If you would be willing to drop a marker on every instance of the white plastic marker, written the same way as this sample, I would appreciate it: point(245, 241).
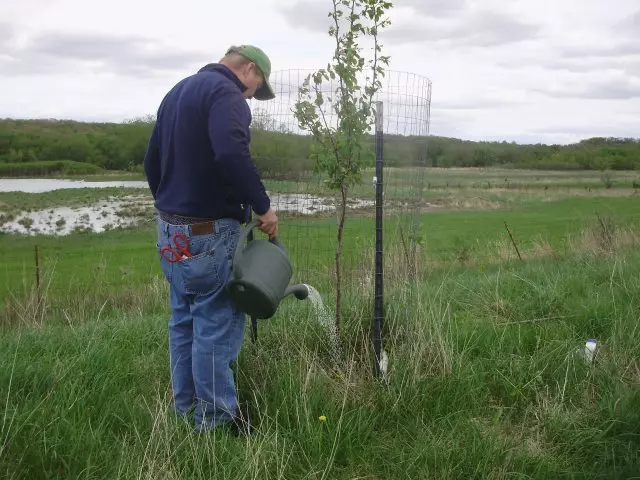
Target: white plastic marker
point(590, 349)
point(384, 364)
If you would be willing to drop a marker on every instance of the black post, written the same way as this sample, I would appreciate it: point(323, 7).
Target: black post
point(513, 241)
point(378, 316)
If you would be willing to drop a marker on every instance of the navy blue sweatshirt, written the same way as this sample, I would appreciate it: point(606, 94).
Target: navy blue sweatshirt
point(198, 162)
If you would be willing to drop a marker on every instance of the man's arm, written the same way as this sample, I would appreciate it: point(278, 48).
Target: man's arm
point(229, 137)
point(152, 162)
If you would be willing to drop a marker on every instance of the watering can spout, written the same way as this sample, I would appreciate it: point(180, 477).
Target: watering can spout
point(300, 291)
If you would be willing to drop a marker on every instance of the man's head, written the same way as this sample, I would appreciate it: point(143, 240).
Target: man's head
point(253, 68)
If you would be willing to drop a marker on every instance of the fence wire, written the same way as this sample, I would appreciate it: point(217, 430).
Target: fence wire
point(308, 209)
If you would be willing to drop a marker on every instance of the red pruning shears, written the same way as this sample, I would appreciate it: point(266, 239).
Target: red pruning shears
point(182, 244)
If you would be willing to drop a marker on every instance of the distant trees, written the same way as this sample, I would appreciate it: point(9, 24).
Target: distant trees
point(281, 153)
point(112, 146)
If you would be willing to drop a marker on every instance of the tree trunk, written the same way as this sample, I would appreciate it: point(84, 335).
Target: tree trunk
point(341, 219)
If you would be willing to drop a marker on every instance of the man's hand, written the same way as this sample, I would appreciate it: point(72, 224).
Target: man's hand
point(269, 223)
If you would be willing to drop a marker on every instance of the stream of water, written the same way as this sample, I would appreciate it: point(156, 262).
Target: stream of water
point(326, 320)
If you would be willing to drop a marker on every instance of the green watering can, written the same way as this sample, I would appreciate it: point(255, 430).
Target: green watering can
point(261, 275)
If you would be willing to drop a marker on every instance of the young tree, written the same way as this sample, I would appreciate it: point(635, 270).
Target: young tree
point(339, 147)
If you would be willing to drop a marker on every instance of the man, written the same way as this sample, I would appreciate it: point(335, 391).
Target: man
point(203, 182)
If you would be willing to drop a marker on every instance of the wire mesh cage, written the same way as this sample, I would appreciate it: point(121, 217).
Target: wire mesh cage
point(308, 209)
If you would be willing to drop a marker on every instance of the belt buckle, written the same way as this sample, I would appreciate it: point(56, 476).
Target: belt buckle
point(203, 228)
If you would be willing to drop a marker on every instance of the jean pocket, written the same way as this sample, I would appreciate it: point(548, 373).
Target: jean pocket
point(200, 273)
point(166, 267)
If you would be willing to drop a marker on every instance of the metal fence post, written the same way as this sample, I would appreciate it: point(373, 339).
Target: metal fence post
point(378, 316)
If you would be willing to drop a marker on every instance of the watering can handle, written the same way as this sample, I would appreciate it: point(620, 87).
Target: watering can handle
point(244, 234)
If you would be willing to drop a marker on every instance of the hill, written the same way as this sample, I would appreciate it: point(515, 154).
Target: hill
point(280, 153)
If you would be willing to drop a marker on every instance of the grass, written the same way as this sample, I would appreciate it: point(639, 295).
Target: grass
point(111, 265)
point(486, 377)
point(48, 168)
point(491, 178)
point(436, 181)
point(86, 175)
point(116, 176)
point(486, 381)
point(69, 197)
point(473, 189)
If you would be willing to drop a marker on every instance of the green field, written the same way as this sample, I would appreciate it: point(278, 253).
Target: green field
point(410, 182)
point(486, 377)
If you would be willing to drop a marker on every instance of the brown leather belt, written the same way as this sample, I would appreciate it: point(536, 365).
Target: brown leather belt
point(199, 226)
point(203, 228)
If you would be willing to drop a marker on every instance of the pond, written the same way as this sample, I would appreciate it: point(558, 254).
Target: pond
point(123, 211)
point(40, 185)
point(114, 212)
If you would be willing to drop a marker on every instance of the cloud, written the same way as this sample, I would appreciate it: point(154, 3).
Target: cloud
point(448, 124)
point(633, 68)
point(618, 88)
point(479, 28)
point(587, 65)
point(436, 8)
point(579, 50)
point(483, 29)
point(7, 32)
point(575, 48)
point(125, 55)
point(309, 15)
point(621, 56)
point(620, 130)
point(620, 48)
point(631, 24)
point(476, 104)
point(313, 15)
point(576, 65)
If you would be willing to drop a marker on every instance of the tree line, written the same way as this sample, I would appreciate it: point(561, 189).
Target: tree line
point(280, 153)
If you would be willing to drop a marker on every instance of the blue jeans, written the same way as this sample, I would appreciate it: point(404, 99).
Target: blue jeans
point(206, 332)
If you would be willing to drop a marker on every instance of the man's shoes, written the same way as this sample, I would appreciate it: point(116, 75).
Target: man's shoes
point(239, 427)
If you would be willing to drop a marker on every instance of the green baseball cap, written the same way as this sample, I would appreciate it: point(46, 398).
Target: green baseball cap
point(257, 56)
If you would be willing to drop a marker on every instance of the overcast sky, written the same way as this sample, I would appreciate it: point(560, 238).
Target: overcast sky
point(551, 71)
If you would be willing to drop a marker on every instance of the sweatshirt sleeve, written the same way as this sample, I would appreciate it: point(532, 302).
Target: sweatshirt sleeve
point(152, 162)
point(229, 121)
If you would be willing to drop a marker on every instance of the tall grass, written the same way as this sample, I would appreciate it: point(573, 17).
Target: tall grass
point(486, 377)
point(63, 167)
point(486, 380)
point(101, 275)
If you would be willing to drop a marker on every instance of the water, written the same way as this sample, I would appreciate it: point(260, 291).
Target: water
point(303, 203)
point(106, 214)
point(326, 320)
point(307, 204)
point(41, 185)
point(99, 217)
